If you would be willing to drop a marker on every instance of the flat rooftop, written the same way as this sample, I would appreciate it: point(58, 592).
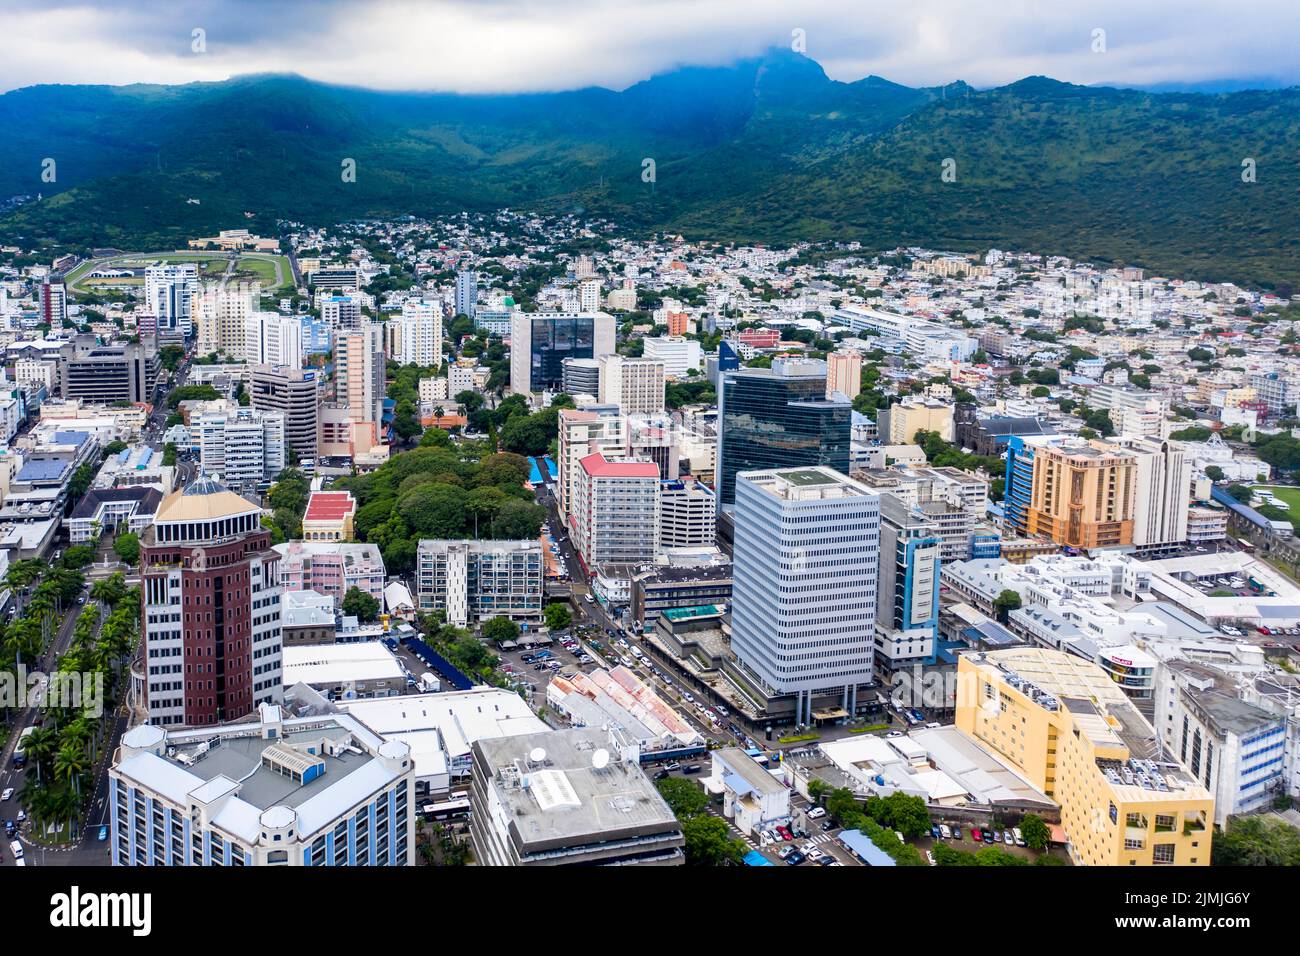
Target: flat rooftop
point(566, 788)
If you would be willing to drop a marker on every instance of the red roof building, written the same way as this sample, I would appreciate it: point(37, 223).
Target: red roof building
point(329, 516)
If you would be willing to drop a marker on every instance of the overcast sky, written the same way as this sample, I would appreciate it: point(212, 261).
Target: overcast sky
point(514, 45)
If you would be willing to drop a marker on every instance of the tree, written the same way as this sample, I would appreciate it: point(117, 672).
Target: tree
point(1256, 841)
point(500, 629)
point(1036, 833)
point(1006, 602)
point(709, 842)
point(357, 603)
point(1214, 473)
point(558, 616)
point(78, 556)
point(127, 547)
point(1242, 493)
point(817, 788)
point(684, 797)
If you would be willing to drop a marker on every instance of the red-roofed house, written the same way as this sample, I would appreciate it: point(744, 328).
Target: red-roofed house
point(615, 512)
point(329, 516)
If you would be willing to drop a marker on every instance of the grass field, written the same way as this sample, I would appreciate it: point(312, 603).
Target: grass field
point(1284, 493)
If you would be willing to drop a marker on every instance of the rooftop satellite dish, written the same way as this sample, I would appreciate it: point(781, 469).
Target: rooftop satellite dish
point(600, 759)
point(537, 754)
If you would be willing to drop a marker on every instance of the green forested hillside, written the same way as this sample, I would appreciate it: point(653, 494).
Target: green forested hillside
point(767, 150)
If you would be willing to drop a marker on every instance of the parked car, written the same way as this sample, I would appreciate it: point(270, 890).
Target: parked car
point(660, 774)
point(785, 833)
point(935, 832)
point(786, 851)
point(828, 824)
point(929, 858)
point(816, 813)
point(1019, 837)
point(976, 835)
point(691, 768)
point(944, 831)
point(956, 833)
point(1007, 838)
point(8, 792)
point(795, 858)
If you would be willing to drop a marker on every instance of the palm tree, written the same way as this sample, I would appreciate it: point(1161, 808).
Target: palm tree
point(70, 763)
point(39, 747)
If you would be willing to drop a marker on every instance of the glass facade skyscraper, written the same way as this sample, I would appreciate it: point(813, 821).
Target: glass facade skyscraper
point(778, 418)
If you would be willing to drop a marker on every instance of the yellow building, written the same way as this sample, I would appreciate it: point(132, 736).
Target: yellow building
point(1072, 732)
point(1083, 496)
point(919, 414)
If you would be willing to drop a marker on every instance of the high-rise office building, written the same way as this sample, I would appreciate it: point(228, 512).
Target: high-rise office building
point(466, 293)
point(244, 446)
point(778, 418)
point(636, 386)
point(807, 546)
point(210, 587)
point(580, 434)
point(421, 325)
point(169, 288)
point(1162, 496)
point(104, 374)
point(1083, 495)
point(540, 341)
point(907, 593)
point(296, 394)
point(359, 368)
point(273, 339)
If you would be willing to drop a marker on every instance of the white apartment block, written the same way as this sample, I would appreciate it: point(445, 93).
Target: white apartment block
point(220, 313)
point(168, 292)
point(273, 339)
point(636, 386)
point(615, 511)
point(421, 334)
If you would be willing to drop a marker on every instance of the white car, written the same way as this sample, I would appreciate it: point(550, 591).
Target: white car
point(816, 813)
point(929, 857)
point(9, 792)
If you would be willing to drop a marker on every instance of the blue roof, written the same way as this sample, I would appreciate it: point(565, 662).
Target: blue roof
point(71, 437)
point(865, 850)
point(754, 858)
point(736, 784)
point(42, 469)
point(123, 455)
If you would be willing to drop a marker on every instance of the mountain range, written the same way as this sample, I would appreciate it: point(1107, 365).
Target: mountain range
point(768, 149)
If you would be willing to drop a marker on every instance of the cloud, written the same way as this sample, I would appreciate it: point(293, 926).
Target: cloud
point(528, 45)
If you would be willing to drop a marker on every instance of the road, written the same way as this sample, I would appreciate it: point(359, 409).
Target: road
point(9, 777)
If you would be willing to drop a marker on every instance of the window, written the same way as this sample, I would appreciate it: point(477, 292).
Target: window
point(1162, 853)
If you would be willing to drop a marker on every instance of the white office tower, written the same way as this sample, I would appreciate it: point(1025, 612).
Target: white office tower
point(421, 325)
point(466, 293)
point(589, 295)
point(245, 446)
point(220, 313)
point(636, 386)
point(168, 290)
point(273, 339)
point(807, 549)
